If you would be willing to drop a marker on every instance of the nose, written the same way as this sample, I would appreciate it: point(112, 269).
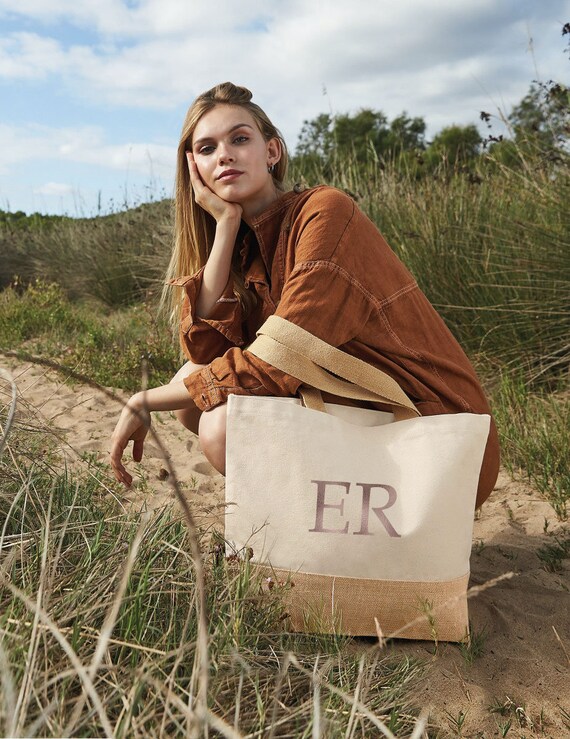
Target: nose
point(224, 154)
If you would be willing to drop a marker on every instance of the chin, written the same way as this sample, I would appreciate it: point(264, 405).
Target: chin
point(229, 199)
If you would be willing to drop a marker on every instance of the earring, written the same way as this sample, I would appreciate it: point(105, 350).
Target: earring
point(271, 168)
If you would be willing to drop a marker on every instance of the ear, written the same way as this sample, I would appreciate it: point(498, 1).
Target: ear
point(273, 151)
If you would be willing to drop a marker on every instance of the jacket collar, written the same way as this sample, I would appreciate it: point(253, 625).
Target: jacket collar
point(266, 227)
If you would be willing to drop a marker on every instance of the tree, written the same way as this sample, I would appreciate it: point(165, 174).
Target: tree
point(455, 145)
point(407, 134)
point(315, 138)
point(543, 116)
point(359, 134)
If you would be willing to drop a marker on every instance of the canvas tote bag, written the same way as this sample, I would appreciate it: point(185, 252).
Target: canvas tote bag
point(366, 515)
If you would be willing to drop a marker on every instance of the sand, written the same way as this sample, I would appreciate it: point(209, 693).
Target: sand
point(522, 674)
point(524, 668)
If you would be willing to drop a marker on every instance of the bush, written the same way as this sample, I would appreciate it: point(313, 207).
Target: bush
point(111, 349)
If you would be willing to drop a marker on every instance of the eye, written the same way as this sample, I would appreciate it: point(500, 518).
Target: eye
point(241, 139)
point(206, 149)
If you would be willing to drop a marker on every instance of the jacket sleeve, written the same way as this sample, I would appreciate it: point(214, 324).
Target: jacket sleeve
point(203, 339)
point(319, 295)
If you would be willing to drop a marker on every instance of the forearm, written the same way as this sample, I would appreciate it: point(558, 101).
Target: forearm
point(171, 397)
point(217, 269)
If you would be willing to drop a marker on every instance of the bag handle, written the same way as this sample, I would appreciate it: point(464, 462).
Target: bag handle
point(297, 352)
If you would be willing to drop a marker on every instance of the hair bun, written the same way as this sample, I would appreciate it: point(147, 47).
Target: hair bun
point(227, 92)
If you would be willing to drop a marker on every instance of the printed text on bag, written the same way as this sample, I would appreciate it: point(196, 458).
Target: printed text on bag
point(365, 510)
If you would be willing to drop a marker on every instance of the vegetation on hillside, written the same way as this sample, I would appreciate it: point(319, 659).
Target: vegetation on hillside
point(100, 609)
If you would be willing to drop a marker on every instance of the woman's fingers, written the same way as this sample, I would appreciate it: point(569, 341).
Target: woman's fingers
point(119, 470)
point(197, 184)
point(132, 425)
point(195, 178)
point(206, 198)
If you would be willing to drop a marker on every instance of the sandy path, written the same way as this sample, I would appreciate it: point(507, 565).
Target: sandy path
point(85, 418)
point(525, 662)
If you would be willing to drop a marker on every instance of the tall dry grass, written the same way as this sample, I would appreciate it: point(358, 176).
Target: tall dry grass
point(118, 623)
point(115, 259)
point(489, 245)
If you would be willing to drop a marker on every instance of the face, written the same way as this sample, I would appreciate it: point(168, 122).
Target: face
point(232, 157)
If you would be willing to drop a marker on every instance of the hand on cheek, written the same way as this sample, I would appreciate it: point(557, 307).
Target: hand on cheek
point(207, 199)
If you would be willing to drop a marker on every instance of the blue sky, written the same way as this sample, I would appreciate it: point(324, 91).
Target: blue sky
point(93, 92)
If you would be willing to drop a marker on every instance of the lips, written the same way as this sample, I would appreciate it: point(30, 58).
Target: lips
point(229, 174)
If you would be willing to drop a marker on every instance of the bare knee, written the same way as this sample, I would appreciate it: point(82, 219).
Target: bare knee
point(188, 417)
point(212, 433)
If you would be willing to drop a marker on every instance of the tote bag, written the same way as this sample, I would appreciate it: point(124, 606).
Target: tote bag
point(366, 516)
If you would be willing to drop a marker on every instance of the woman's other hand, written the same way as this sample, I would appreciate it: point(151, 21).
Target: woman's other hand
point(133, 425)
point(213, 204)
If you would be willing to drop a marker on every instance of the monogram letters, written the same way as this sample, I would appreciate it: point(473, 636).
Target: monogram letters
point(365, 508)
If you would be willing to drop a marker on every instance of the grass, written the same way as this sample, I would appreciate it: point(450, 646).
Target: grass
point(517, 716)
point(102, 611)
point(535, 444)
point(115, 259)
point(553, 555)
point(110, 346)
point(100, 624)
point(474, 647)
point(456, 722)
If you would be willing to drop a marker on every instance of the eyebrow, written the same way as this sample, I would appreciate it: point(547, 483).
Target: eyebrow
point(233, 128)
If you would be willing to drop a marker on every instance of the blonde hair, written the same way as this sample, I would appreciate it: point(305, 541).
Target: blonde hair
point(194, 228)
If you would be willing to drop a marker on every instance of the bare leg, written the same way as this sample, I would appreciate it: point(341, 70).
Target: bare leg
point(212, 432)
point(188, 417)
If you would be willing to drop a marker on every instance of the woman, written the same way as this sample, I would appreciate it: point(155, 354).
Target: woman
point(250, 250)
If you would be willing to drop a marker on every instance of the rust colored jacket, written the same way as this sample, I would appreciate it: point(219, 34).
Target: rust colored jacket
point(315, 259)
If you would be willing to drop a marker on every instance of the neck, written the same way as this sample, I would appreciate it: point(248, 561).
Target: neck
point(252, 210)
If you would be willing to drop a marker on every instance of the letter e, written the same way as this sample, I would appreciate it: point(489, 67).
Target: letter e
point(321, 505)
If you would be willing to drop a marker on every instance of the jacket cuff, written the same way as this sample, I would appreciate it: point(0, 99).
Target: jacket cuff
point(203, 390)
point(238, 373)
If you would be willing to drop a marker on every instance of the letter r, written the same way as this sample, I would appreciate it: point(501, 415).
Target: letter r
point(379, 511)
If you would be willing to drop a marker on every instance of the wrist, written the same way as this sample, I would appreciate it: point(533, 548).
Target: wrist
point(230, 221)
point(140, 401)
point(171, 397)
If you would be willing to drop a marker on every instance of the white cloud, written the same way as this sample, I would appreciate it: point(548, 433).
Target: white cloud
point(85, 145)
point(439, 59)
point(57, 189)
point(419, 55)
point(28, 55)
point(102, 16)
point(114, 18)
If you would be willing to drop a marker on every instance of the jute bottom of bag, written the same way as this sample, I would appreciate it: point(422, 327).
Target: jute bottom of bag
point(349, 605)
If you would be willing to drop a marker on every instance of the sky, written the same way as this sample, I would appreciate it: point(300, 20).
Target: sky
point(93, 92)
